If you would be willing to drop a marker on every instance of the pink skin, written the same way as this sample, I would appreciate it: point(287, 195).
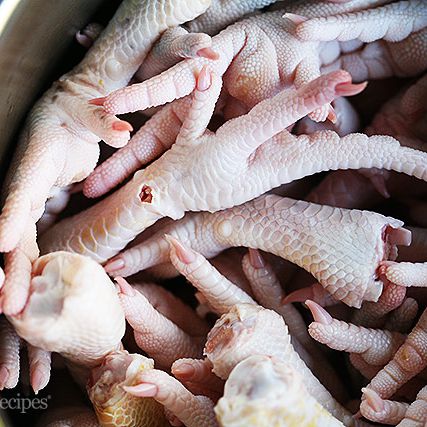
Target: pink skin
point(314, 292)
point(240, 39)
point(287, 214)
point(347, 120)
point(193, 411)
point(299, 67)
point(366, 369)
point(269, 294)
point(174, 45)
point(405, 273)
point(174, 309)
point(408, 361)
point(10, 344)
point(376, 347)
point(154, 333)
point(402, 318)
point(382, 59)
point(63, 126)
point(416, 414)
point(104, 229)
point(324, 140)
point(39, 360)
point(392, 22)
point(381, 411)
point(198, 377)
point(373, 315)
point(222, 13)
point(225, 296)
point(345, 189)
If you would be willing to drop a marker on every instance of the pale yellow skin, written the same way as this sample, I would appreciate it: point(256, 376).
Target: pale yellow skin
point(114, 406)
point(264, 392)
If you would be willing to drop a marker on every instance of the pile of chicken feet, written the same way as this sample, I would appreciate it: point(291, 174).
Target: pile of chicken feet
point(242, 97)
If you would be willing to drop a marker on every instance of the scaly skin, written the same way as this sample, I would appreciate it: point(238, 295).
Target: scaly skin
point(250, 77)
point(381, 411)
point(174, 309)
point(416, 414)
point(374, 314)
point(154, 333)
point(72, 309)
point(10, 344)
point(248, 330)
point(39, 360)
point(376, 346)
point(104, 229)
point(409, 360)
point(406, 273)
point(193, 411)
point(247, 70)
point(174, 45)
point(222, 13)
point(262, 391)
point(197, 376)
point(59, 143)
point(392, 22)
point(402, 318)
point(381, 59)
point(301, 232)
point(113, 405)
point(269, 326)
point(268, 292)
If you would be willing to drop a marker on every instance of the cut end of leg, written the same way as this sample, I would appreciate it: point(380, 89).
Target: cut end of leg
point(319, 314)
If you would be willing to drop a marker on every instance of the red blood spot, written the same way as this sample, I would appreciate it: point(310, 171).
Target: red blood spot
point(145, 195)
